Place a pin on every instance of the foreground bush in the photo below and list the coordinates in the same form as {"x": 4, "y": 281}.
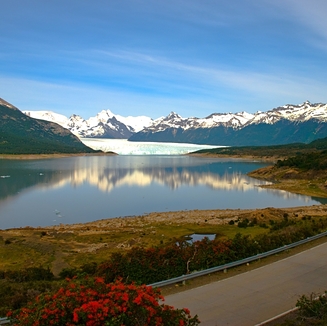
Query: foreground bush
{"x": 312, "y": 310}
{"x": 92, "y": 302}
{"x": 313, "y": 307}
{"x": 28, "y": 275}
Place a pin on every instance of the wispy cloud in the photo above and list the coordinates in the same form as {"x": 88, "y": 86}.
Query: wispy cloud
{"x": 311, "y": 15}
{"x": 277, "y": 81}
{"x": 193, "y": 57}
{"x": 167, "y": 86}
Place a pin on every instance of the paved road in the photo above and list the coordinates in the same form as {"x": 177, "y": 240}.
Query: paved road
{"x": 258, "y": 295}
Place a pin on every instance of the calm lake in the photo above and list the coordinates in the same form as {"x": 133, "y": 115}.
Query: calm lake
{"x": 82, "y": 189}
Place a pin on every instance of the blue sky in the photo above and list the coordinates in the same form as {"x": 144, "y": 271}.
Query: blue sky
{"x": 138, "y": 57}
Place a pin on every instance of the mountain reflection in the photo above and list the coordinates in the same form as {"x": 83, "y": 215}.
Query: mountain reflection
{"x": 107, "y": 179}
{"x": 108, "y": 173}
{"x": 135, "y": 172}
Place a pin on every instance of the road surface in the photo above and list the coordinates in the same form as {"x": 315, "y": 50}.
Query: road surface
{"x": 253, "y": 297}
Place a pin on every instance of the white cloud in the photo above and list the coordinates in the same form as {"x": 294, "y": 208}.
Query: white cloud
{"x": 275, "y": 81}
{"x": 310, "y": 14}
{"x": 191, "y": 90}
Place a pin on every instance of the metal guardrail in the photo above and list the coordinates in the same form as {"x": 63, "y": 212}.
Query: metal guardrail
{"x": 235, "y": 263}
{"x": 6, "y": 321}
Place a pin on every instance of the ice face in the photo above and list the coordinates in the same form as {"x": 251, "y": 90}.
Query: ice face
{"x": 124, "y": 147}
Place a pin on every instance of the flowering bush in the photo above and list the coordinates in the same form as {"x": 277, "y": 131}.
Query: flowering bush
{"x": 92, "y": 302}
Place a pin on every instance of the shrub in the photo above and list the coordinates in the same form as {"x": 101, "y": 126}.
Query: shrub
{"x": 243, "y": 223}
{"x": 92, "y": 302}
{"x": 16, "y": 295}
{"x": 28, "y": 274}
{"x": 313, "y": 307}
{"x": 312, "y": 312}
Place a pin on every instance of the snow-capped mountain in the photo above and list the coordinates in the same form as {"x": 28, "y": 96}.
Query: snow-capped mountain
{"x": 104, "y": 125}
{"x": 299, "y": 113}
{"x": 174, "y": 120}
{"x": 286, "y": 124}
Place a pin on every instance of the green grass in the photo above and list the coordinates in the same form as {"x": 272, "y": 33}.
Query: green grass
{"x": 28, "y": 248}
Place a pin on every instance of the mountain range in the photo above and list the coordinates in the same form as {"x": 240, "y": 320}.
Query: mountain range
{"x": 104, "y": 125}
{"x": 286, "y": 124}
{"x": 20, "y": 134}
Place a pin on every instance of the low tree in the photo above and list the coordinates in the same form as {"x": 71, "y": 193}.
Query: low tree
{"x": 92, "y": 302}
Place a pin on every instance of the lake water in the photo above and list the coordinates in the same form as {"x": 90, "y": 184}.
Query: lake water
{"x": 81, "y": 189}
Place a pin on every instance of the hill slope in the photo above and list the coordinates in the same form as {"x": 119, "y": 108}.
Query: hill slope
{"x": 276, "y": 151}
{"x": 20, "y": 134}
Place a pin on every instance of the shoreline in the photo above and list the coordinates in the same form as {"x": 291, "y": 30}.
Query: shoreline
{"x": 271, "y": 159}
{"x": 197, "y": 217}
{"x": 48, "y": 156}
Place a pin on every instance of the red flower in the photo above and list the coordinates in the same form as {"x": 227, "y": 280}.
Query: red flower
{"x": 91, "y": 302}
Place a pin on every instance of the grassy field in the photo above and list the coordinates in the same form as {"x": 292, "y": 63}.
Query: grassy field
{"x": 26, "y": 247}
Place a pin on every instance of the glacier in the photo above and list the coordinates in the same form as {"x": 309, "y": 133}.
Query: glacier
{"x": 125, "y": 147}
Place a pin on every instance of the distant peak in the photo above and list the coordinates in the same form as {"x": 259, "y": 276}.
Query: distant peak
{"x": 173, "y": 115}
{"x": 105, "y": 113}
{"x": 75, "y": 116}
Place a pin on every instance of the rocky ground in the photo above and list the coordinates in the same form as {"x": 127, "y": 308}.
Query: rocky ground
{"x": 216, "y": 217}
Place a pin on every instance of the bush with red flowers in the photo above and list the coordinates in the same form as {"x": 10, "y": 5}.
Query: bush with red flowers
{"x": 92, "y": 302}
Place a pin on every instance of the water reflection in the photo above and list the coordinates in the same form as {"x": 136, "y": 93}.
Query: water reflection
{"x": 80, "y": 189}
{"x": 111, "y": 172}
{"x": 106, "y": 179}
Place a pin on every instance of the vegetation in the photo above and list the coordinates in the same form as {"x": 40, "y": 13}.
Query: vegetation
{"x": 284, "y": 151}
{"x": 152, "y": 264}
{"x": 311, "y": 161}
{"x": 92, "y": 302}
{"x": 312, "y": 311}
{"x": 57, "y": 249}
